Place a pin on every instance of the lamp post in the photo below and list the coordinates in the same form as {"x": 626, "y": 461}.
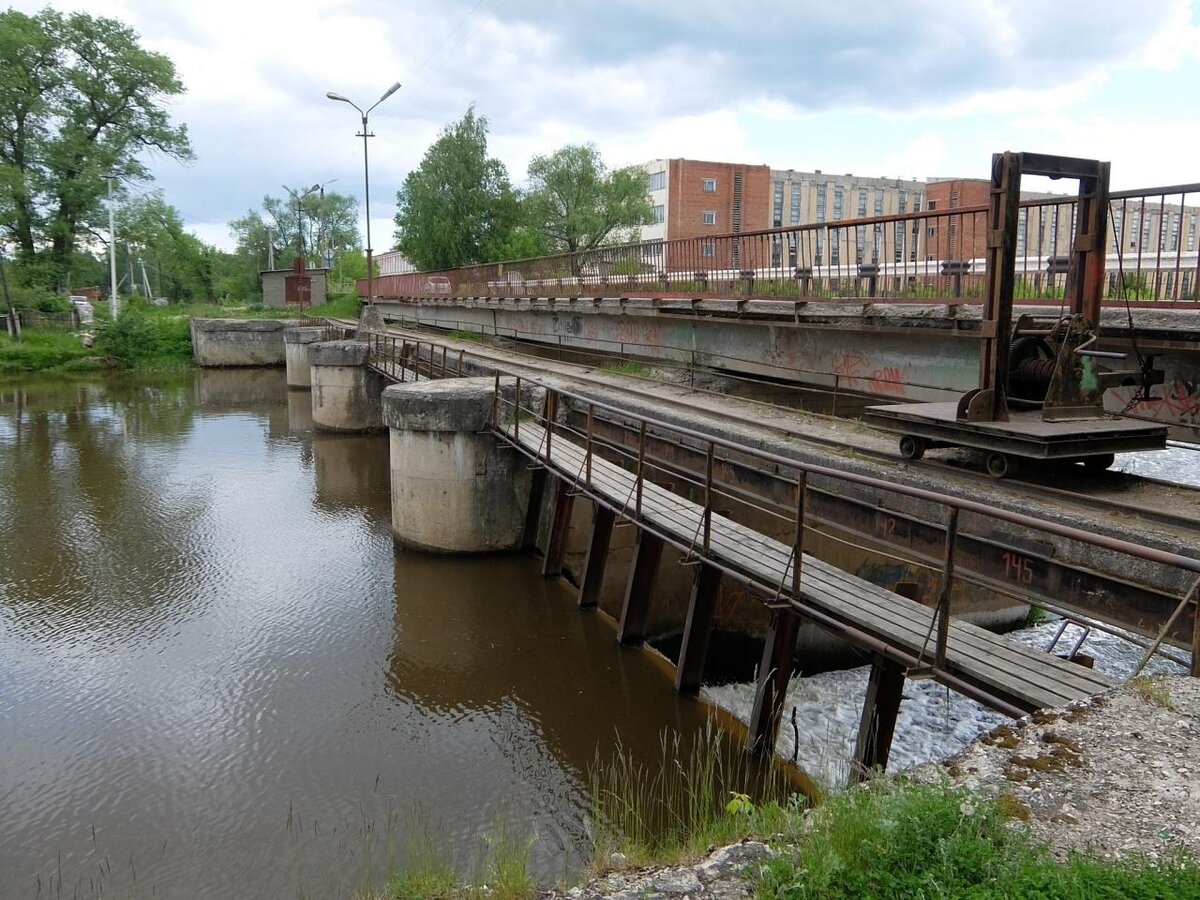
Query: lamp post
{"x": 364, "y": 134}
{"x": 298, "y": 197}
{"x": 113, "y": 304}
{"x": 322, "y": 249}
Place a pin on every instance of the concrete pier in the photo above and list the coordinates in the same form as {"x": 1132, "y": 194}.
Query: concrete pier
{"x": 455, "y": 488}
{"x": 238, "y": 342}
{"x": 296, "y": 342}
{"x": 345, "y": 393}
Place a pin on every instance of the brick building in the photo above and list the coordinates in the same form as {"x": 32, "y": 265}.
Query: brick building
{"x": 695, "y": 199}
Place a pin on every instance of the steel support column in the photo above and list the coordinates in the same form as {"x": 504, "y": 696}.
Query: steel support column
{"x": 533, "y": 514}
{"x": 597, "y": 557}
{"x": 878, "y": 724}
{"x": 635, "y": 611}
{"x": 560, "y": 525}
{"x": 774, "y": 672}
{"x": 702, "y": 610}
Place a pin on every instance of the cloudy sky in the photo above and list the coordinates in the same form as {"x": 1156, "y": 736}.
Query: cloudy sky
{"x": 909, "y": 88}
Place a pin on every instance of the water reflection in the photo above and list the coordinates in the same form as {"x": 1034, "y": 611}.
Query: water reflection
{"x": 217, "y": 675}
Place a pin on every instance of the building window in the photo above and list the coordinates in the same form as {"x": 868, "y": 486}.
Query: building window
{"x": 820, "y": 203}
{"x": 862, "y": 203}
{"x": 932, "y": 204}
{"x": 795, "y": 214}
{"x": 777, "y": 209}
{"x": 837, "y": 202}
{"x": 1191, "y": 241}
{"x": 709, "y": 185}
{"x": 657, "y": 180}
{"x": 879, "y": 203}
{"x": 660, "y": 213}
{"x": 929, "y": 232}
{"x": 917, "y": 203}
{"x": 706, "y": 248}
{"x": 709, "y": 217}
{"x": 1174, "y": 231}
{"x": 904, "y": 201}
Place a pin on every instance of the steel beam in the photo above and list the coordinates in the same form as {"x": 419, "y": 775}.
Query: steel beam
{"x": 636, "y": 609}
{"x": 702, "y": 608}
{"x": 880, "y": 708}
{"x": 774, "y": 672}
{"x": 533, "y": 513}
{"x": 597, "y": 557}
{"x": 560, "y": 526}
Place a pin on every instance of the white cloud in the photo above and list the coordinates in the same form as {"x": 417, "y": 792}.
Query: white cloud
{"x": 950, "y": 81}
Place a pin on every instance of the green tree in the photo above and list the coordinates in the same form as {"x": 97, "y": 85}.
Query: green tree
{"x": 577, "y": 204}
{"x": 179, "y": 265}
{"x": 80, "y": 100}
{"x": 457, "y": 206}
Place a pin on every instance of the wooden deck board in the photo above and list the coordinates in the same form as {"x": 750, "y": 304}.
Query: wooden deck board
{"x": 1038, "y": 679}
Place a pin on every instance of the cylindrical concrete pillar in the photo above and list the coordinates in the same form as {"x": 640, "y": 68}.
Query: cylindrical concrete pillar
{"x": 295, "y": 348}
{"x": 455, "y": 487}
{"x": 345, "y": 393}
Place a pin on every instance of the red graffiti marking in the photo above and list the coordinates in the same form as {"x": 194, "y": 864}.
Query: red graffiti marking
{"x": 849, "y": 364}
{"x": 888, "y": 380}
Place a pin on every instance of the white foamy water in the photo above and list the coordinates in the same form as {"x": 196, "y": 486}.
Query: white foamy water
{"x": 934, "y": 722}
{"x": 1179, "y": 463}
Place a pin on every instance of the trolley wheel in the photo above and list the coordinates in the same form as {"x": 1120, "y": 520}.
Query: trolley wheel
{"x": 1001, "y": 465}
{"x": 912, "y": 447}
{"x": 1100, "y": 462}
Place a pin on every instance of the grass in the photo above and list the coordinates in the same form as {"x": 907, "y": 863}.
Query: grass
{"x": 429, "y": 872}
{"x": 142, "y": 337}
{"x": 1153, "y": 690}
{"x": 900, "y": 840}
{"x": 473, "y": 336}
{"x": 43, "y": 349}
{"x": 624, "y": 367}
{"x": 696, "y": 796}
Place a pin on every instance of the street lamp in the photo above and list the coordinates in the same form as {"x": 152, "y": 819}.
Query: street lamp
{"x": 364, "y": 134}
{"x": 299, "y": 220}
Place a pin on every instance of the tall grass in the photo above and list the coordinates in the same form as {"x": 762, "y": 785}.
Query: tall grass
{"x": 705, "y": 792}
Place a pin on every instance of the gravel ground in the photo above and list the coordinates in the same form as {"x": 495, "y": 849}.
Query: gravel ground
{"x": 1117, "y": 775}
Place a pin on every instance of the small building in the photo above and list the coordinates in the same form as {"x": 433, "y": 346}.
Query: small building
{"x": 298, "y": 286}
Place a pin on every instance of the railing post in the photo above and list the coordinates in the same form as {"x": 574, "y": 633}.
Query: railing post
{"x": 496, "y": 403}
{"x": 551, "y": 398}
{"x": 460, "y": 362}
{"x": 517, "y": 412}
{"x": 798, "y": 543}
{"x": 943, "y": 606}
{"x": 708, "y": 481}
{"x": 587, "y": 459}
{"x": 641, "y": 466}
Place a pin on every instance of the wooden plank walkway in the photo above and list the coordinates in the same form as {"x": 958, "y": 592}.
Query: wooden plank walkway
{"x": 1025, "y": 678}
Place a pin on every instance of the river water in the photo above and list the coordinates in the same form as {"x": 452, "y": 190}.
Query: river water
{"x": 218, "y": 678}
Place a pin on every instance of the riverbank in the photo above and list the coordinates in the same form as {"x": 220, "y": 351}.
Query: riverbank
{"x": 142, "y": 337}
{"x": 1099, "y": 799}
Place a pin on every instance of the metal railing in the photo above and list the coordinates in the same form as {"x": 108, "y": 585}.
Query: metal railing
{"x": 1154, "y": 244}
{"x": 570, "y": 416}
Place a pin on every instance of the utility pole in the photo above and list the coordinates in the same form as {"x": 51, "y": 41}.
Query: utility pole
{"x": 114, "y": 306}
{"x": 270, "y": 249}
{"x": 14, "y": 321}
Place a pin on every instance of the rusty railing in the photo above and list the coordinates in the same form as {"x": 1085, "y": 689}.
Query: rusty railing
{"x": 929, "y": 255}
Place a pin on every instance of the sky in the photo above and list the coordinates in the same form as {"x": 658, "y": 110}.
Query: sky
{"x": 899, "y": 88}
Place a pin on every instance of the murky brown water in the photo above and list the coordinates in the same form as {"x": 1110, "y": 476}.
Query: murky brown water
{"x": 218, "y": 678}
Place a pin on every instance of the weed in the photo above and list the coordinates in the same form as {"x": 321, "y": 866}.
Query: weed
{"x": 697, "y": 796}
{"x": 1153, "y": 690}
{"x": 624, "y": 367}
{"x": 473, "y": 336}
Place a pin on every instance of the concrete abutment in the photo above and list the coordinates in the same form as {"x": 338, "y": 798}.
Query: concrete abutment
{"x": 455, "y": 488}
{"x": 296, "y": 342}
{"x": 345, "y": 391}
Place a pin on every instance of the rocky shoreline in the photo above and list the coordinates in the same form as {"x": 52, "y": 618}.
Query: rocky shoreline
{"x": 1112, "y": 776}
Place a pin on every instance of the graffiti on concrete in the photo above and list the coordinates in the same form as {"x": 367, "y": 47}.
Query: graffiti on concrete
{"x": 888, "y": 380}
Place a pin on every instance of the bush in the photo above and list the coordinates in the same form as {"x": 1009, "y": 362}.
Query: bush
{"x": 141, "y": 340}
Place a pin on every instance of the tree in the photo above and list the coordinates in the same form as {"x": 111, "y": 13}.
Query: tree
{"x": 179, "y": 265}
{"x": 457, "y": 207}
{"x": 80, "y": 100}
{"x": 576, "y": 204}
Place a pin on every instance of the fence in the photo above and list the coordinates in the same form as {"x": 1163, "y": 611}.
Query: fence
{"x": 928, "y": 255}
